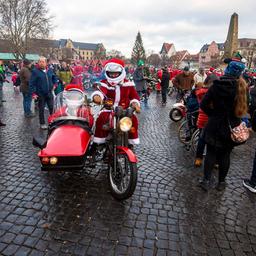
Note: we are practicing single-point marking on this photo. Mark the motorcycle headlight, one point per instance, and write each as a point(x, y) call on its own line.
point(125, 124)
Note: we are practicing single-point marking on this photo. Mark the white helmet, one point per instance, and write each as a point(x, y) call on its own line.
point(114, 71)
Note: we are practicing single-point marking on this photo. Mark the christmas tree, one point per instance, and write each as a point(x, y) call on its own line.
point(138, 51)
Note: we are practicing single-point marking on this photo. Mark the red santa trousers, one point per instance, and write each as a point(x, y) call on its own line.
point(100, 134)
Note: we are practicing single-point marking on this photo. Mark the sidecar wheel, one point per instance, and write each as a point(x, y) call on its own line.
point(122, 181)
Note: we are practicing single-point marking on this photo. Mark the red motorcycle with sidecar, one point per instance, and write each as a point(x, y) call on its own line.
point(69, 140)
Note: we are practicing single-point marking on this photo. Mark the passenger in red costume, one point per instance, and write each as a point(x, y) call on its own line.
point(73, 105)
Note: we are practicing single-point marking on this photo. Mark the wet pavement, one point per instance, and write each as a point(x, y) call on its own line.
point(74, 214)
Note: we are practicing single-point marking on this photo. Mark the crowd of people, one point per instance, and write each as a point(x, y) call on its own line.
point(222, 100)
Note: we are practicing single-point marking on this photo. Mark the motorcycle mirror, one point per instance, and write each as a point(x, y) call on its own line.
point(129, 112)
point(119, 111)
point(95, 86)
point(39, 142)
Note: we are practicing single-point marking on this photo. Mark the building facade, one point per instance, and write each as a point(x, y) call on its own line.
point(212, 54)
point(168, 50)
point(63, 49)
point(247, 48)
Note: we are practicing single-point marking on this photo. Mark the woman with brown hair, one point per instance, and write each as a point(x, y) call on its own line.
point(224, 103)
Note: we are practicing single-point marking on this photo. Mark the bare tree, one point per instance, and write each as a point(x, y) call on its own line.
point(154, 59)
point(251, 56)
point(176, 61)
point(22, 20)
point(114, 54)
point(100, 52)
point(215, 61)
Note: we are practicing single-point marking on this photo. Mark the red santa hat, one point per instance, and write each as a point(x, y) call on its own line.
point(116, 61)
point(74, 86)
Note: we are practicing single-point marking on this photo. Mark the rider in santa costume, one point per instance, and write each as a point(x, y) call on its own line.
point(122, 92)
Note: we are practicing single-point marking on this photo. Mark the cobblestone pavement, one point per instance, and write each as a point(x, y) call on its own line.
point(74, 214)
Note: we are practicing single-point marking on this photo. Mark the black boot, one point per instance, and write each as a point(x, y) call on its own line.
point(221, 185)
point(2, 124)
point(91, 154)
point(204, 184)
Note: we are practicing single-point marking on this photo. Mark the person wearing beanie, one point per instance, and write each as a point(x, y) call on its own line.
point(224, 103)
point(165, 84)
point(183, 82)
point(139, 78)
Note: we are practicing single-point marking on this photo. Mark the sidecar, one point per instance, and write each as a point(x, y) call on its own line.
point(69, 133)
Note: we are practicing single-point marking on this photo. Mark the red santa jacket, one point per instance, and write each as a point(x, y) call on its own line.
point(202, 117)
point(122, 95)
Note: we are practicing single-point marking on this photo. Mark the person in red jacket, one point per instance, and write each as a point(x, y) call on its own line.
point(159, 77)
point(122, 92)
point(201, 122)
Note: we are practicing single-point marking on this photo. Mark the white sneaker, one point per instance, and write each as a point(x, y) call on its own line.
point(249, 186)
point(44, 126)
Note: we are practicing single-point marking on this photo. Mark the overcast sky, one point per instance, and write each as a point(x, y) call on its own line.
point(186, 23)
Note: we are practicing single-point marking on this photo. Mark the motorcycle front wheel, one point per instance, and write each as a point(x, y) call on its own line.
point(122, 178)
point(175, 115)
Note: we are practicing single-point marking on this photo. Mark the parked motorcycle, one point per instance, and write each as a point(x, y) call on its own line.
point(179, 109)
point(69, 140)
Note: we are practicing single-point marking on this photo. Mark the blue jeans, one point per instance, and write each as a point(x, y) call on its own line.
point(200, 145)
point(42, 101)
point(27, 99)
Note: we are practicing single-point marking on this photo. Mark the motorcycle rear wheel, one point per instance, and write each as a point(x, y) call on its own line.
point(175, 115)
point(123, 180)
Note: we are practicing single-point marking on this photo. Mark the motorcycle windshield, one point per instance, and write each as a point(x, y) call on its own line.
point(71, 104)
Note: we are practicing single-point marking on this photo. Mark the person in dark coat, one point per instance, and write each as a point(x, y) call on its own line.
point(25, 74)
point(42, 83)
point(224, 103)
point(165, 84)
point(139, 78)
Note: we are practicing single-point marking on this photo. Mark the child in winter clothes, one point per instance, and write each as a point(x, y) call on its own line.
point(201, 122)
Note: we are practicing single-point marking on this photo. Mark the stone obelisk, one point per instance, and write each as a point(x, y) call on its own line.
point(231, 44)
